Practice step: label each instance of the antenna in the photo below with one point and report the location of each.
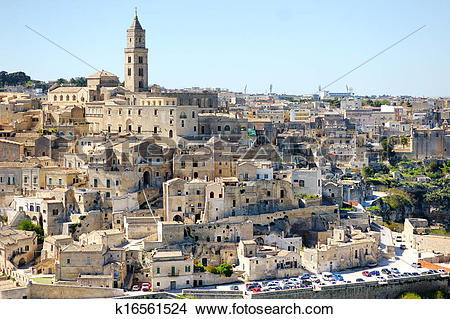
(270, 89)
(245, 89)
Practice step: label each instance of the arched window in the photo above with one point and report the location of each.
(74, 97)
(170, 134)
(183, 115)
(60, 97)
(193, 114)
(211, 195)
(227, 128)
(67, 98)
(55, 98)
(82, 99)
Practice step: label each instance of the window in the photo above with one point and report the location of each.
(55, 212)
(141, 60)
(50, 181)
(27, 248)
(88, 261)
(60, 181)
(129, 71)
(68, 261)
(158, 270)
(141, 72)
(129, 59)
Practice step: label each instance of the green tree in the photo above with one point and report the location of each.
(225, 269)
(404, 141)
(28, 225)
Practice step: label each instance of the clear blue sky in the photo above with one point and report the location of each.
(295, 45)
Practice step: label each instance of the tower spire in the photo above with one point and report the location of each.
(135, 11)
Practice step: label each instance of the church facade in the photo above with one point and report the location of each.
(135, 107)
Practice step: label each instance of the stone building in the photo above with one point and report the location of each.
(263, 262)
(92, 265)
(170, 270)
(345, 249)
(11, 151)
(417, 235)
(17, 247)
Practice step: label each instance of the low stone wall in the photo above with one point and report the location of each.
(40, 291)
(151, 295)
(212, 294)
(15, 293)
(209, 279)
(365, 290)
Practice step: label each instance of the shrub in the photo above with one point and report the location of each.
(28, 225)
(409, 295)
(225, 269)
(211, 269)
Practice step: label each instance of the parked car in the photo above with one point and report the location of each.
(145, 286)
(305, 276)
(416, 265)
(327, 276)
(395, 270)
(386, 271)
(367, 274)
(359, 280)
(338, 277)
(381, 279)
(135, 288)
(402, 246)
(442, 271)
(234, 287)
(372, 264)
(256, 289)
(375, 273)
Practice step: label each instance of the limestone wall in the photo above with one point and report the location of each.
(365, 290)
(39, 291)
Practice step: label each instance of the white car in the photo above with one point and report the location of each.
(442, 271)
(135, 288)
(328, 276)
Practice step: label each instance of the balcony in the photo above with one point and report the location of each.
(173, 273)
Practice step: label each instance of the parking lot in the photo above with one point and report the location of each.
(403, 265)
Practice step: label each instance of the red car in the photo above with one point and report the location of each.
(256, 289)
(367, 274)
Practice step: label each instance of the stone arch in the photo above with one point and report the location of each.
(146, 178)
(195, 174)
(177, 218)
(128, 125)
(227, 128)
(22, 262)
(259, 241)
(211, 195)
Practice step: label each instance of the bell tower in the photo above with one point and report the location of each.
(136, 58)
